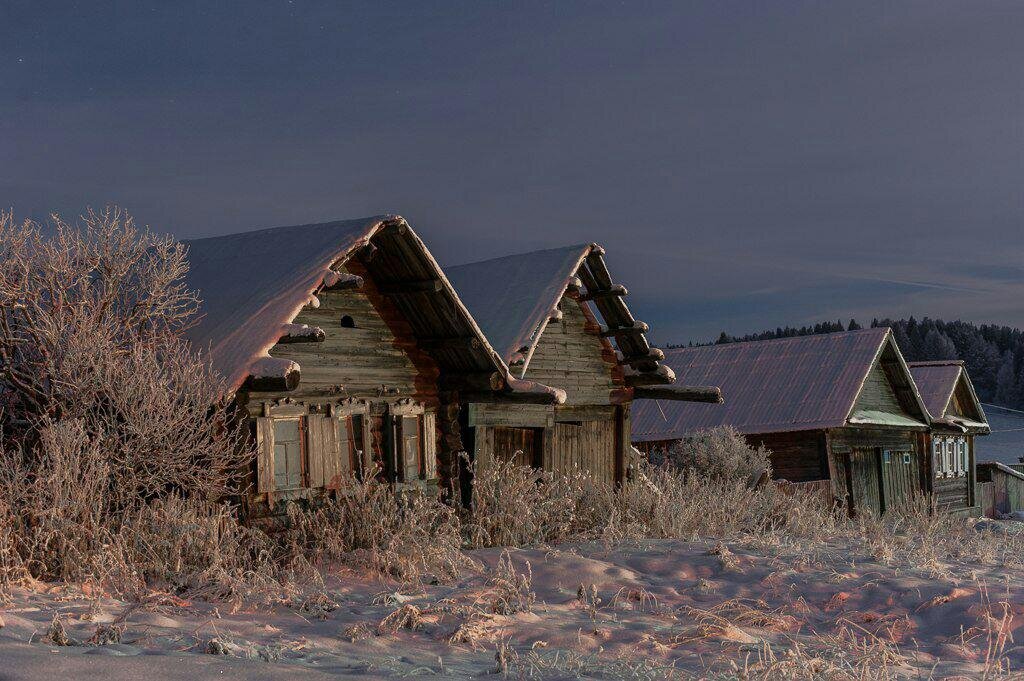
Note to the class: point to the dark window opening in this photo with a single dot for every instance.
(347, 322)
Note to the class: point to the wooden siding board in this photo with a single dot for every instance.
(878, 394)
(571, 355)
(381, 351)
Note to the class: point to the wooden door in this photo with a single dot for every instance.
(865, 488)
(567, 446)
(521, 446)
(900, 477)
(589, 446)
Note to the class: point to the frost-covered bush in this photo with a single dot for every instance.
(104, 408)
(719, 454)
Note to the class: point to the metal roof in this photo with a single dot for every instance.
(787, 384)
(936, 382)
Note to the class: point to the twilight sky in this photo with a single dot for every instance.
(745, 164)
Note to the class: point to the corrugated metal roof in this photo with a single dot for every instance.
(511, 297)
(936, 382)
(801, 383)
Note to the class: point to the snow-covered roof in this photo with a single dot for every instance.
(512, 297)
(253, 284)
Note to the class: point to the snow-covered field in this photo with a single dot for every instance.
(650, 609)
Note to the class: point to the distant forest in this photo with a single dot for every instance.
(993, 355)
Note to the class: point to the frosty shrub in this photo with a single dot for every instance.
(522, 506)
(103, 407)
(408, 536)
(717, 454)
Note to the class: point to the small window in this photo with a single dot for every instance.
(906, 457)
(289, 454)
(887, 456)
(347, 322)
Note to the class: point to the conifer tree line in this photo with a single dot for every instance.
(993, 355)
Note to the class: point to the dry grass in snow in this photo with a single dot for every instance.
(670, 577)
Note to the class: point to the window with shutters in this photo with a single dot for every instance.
(351, 443)
(412, 449)
(952, 456)
(289, 454)
(961, 457)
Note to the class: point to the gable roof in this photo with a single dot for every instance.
(786, 384)
(253, 284)
(514, 297)
(937, 381)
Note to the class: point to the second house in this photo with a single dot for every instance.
(556, 317)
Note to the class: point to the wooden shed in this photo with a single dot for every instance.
(557, 318)
(840, 407)
(957, 417)
(349, 351)
(1000, 488)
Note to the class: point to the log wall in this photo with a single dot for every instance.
(571, 355)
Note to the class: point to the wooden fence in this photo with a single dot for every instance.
(986, 492)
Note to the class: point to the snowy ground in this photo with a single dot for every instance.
(661, 608)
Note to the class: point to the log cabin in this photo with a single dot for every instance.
(557, 318)
(957, 417)
(841, 407)
(348, 351)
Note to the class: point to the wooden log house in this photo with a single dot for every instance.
(556, 317)
(348, 350)
(957, 417)
(840, 407)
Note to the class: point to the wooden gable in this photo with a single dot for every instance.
(962, 402)
(571, 354)
(368, 349)
(878, 394)
(888, 395)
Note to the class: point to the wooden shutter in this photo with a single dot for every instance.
(265, 455)
(430, 445)
(409, 447)
(324, 464)
(315, 449)
(343, 435)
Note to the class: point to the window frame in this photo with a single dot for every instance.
(359, 458)
(398, 411)
(282, 410)
(303, 442)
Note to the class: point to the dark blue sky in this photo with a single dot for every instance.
(745, 164)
